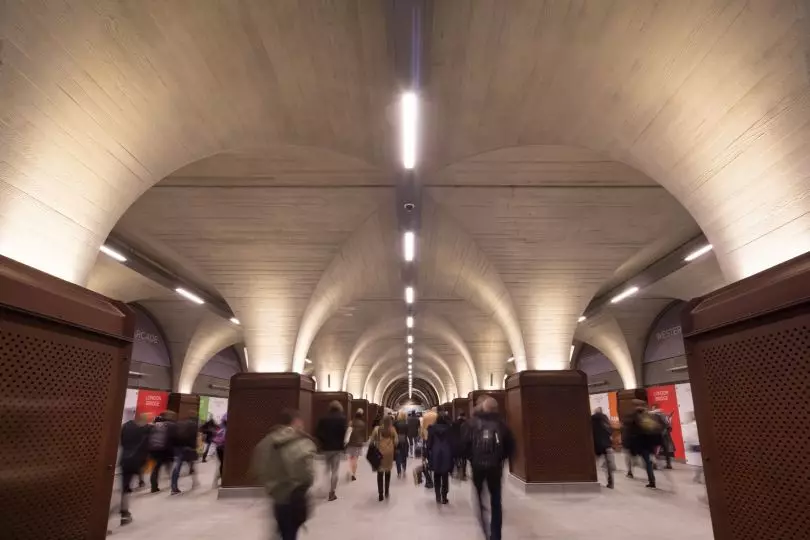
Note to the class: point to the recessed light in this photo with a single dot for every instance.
(409, 111)
(410, 339)
(409, 321)
(409, 245)
(582, 318)
(409, 295)
(234, 320)
(410, 351)
(307, 361)
(510, 359)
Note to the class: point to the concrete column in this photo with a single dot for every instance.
(549, 414)
(254, 408)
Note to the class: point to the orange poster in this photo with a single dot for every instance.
(614, 406)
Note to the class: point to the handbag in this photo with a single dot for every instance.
(374, 456)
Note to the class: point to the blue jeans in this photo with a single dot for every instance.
(179, 459)
(646, 455)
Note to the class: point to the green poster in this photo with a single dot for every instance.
(203, 415)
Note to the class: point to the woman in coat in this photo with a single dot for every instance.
(384, 438)
(356, 440)
(401, 427)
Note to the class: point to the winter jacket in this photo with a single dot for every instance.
(208, 430)
(600, 425)
(475, 425)
(358, 436)
(282, 462)
(386, 443)
(331, 432)
(401, 427)
(134, 447)
(440, 446)
(413, 426)
(459, 430)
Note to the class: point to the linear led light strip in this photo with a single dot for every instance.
(409, 245)
(409, 111)
(624, 294)
(189, 295)
(698, 253)
(110, 252)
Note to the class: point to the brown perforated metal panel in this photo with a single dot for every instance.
(185, 405)
(552, 425)
(754, 422)
(498, 395)
(254, 407)
(59, 389)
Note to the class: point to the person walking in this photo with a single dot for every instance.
(384, 438)
(185, 451)
(489, 443)
(161, 437)
(208, 429)
(331, 437)
(440, 455)
(134, 453)
(219, 443)
(602, 442)
(428, 419)
(645, 438)
(667, 448)
(458, 432)
(283, 464)
(403, 447)
(356, 440)
(413, 432)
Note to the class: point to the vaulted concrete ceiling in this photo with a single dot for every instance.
(566, 146)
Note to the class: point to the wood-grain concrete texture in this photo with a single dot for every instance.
(251, 147)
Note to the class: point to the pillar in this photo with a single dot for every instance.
(498, 395)
(254, 408)
(64, 363)
(625, 399)
(361, 404)
(184, 405)
(748, 352)
(549, 413)
(321, 401)
(461, 404)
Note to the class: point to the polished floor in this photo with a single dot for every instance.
(677, 512)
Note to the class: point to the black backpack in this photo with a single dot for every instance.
(487, 445)
(159, 437)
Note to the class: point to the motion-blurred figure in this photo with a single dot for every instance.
(413, 432)
(384, 437)
(134, 453)
(602, 443)
(208, 429)
(489, 443)
(219, 443)
(667, 448)
(185, 451)
(356, 439)
(459, 430)
(161, 437)
(428, 419)
(283, 463)
(440, 455)
(331, 436)
(403, 447)
(645, 438)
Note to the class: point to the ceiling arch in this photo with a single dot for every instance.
(423, 371)
(400, 386)
(398, 354)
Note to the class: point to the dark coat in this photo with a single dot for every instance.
(413, 426)
(134, 447)
(208, 429)
(331, 432)
(459, 429)
(600, 424)
(473, 427)
(440, 447)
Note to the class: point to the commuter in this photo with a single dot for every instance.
(440, 455)
(161, 437)
(401, 427)
(134, 453)
(384, 438)
(355, 440)
(667, 448)
(283, 463)
(185, 451)
(489, 443)
(413, 433)
(428, 419)
(331, 437)
(208, 429)
(459, 429)
(646, 437)
(219, 443)
(602, 442)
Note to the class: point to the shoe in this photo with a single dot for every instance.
(669, 467)
(155, 490)
(126, 519)
(630, 475)
(354, 478)
(176, 492)
(438, 500)
(651, 486)
(141, 485)
(399, 475)
(445, 501)
(203, 460)
(610, 485)
(332, 496)
(381, 498)
(387, 495)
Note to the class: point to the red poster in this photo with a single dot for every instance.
(151, 403)
(666, 399)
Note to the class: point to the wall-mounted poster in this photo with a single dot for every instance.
(151, 403)
(667, 400)
(217, 407)
(689, 430)
(130, 405)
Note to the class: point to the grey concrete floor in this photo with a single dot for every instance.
(676, 511)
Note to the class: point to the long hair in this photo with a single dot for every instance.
(386, 426)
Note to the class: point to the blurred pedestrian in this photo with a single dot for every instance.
(403, 448)
(459, 430)
(356, 440)
(185, 451)
(283, 463)
(413, 433)
(331, 437)
(440, 455)
(428, 419)
(208, 429)
(219, 443)
(602, 442)
(134, 454)
(384, 438)
(161, 438)
(667, 448)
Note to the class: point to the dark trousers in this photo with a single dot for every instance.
(646, 455)
(441, 483)
(461, 467)
(205, 452)
(383, 482)
(126, 489)
(402, 458)
(221, 458)
(492, 479)
(289, 518)
(161, 459)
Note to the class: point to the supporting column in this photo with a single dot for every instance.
(254, 408)
(461, 404)
(625, 400)
(321, 401)
(498, 395)
(361, 404)
(549, 414)
(184, 405)
(64, 363)
(748, 352)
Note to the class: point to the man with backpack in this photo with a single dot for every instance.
(440, 455)
(489, 443)
(647, 434)
(160, 445)
(185, 451)
(283, 463)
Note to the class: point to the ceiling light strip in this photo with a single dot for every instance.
(189, 295)
(624, 294)
(698, 253)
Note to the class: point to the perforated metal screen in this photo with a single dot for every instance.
(58, 389)
(753, 397)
